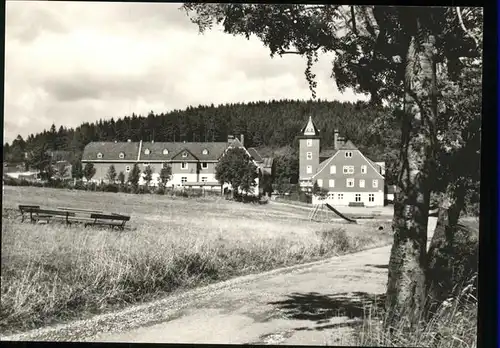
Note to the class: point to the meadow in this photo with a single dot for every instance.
(53, 273)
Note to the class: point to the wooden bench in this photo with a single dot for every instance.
(356, 204)
(111, 220)
(23, 208)
(78, 210)
(47, 214)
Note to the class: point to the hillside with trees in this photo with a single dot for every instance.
(269, 126)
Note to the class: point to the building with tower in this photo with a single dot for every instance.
(349, 177)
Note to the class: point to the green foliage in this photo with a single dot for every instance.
(39, 159)
(121, 178)
(111, 174)
(319, 191)
(165, 174)
(237, 169)
(60, 171)
(134, 175)
(77, 170)
(148, 175)
(286, 170)
(89, 171)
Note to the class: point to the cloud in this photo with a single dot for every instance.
(81, 61)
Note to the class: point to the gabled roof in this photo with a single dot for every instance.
(156, 150)
(348, 145)
(110, 151)
(254, 154)
(310, 128)
(185, 154)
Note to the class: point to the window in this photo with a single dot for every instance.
(340, 196)
(204, 165)
(361, 183)
(309, 155)
(184, 154)
(165, 151)
(309, 169)
(164, 165)
(350, 182)
(348, 154)
(203, 179)
(348, 169)
(320, 182)
(310, 130)
(363, 169)
(127, 169)
(99, 155)
(371, 197)
(375, 183)
(357, 197)
(122, 155)
(331, 195)
(205, 152)
(309, 142)
(184, 165)
(184, 179)
(333, 169)
(147, 152)
(331, 182)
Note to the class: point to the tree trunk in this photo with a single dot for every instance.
(439, 280)
(406, 281)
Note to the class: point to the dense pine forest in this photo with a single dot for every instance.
(270, 126)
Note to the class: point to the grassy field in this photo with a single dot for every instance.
(53, 273)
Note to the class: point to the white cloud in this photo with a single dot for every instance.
(78, 62)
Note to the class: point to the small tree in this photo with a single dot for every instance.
(319, 191)
(77, 170)
(134, 176)
(237, 169)
(111, 175)
(60, 170)
(89, 171)
(39, 159)
(165, 174)
(148, 175)
(121, 178)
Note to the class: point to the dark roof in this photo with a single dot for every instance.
(255, 155)
(111, 151)
(327, 153)
(214, 150)
(348, 145)
(310, 121)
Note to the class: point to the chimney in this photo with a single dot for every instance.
(129, 140)
(242, 137)
(230, 138)
(335, 139)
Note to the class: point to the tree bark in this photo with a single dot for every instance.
(406, 281)
(439, 280)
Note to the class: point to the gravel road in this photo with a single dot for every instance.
(312, 304)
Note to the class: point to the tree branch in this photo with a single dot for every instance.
(464, 28)
(353, 15)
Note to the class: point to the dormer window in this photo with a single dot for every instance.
(205, 152)
(122, 155)
(184, 154)
(99, 155)
(165, 151)
(147, 152)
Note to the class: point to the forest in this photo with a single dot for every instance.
(270, 126)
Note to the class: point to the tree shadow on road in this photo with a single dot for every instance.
(321, 308)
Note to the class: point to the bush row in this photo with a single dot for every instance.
(104, 187)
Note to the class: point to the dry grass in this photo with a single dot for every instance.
(453, 326)
(52, 273)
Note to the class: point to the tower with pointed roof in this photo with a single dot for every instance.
(309, 146)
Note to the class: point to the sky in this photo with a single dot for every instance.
(73, 62)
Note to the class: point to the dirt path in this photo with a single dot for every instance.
(313, 304)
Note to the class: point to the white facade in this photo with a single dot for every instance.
(370, 199)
